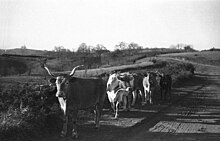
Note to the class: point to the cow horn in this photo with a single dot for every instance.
(157, 72)
(48, 71)
(74, 69)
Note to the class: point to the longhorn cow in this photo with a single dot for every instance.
(75, 94)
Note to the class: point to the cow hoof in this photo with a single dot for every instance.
(143, 103)
(63, 135)
(97, 126)
(75, 135)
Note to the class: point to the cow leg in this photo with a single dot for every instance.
(121, 98)
(129, 98)
(116, 111)
(74, 119)
(134, 95)
(145, 98)
(113, 106)
(97, 115)
(124, 99)
(165, 94)
(169, 92)
(161, 93)
(65, 124)
(150, 97)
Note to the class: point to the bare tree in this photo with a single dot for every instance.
(83, 48)
(121, 46)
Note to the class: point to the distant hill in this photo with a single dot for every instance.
(19, 51)
(30, 59)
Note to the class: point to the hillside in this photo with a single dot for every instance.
(19, 51)
(65, 61)
(203, 57)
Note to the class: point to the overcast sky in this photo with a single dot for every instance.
(43, 24)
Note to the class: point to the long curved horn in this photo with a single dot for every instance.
(74, 69)
(48, 71)
(160, 74)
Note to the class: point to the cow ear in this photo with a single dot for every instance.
(52, 80)
(119, 78)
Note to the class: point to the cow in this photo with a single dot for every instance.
(165, 85)
(76, 94)
(114, 83)
(118, 96)
(137, 88)
(149, 84)
(124, 80)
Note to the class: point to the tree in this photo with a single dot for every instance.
(23, 47)
(189, 48)
(133, 46)
(121, 46)
(83, 48)
(62, 52)
(99, 49)
(60, 49)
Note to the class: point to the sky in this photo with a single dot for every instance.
(44, 24)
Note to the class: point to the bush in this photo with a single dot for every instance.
(190, 67)
(26, 113)
(11, 66)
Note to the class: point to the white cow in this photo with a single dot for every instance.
(118, 90)
(149, 84)
(118, 96)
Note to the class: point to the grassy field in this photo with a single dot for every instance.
(204, 57)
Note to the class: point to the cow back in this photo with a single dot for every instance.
(84, 93)
(166, 81)
(137, 83)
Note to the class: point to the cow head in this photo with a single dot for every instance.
(61, 81)
(127, 77)
(151, 78)
(160, 74)
(119, 80)
(112, 82)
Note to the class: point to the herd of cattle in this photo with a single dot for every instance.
(123, 89)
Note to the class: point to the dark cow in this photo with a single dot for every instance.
(137, 88)
(165, 85)
(78, 93)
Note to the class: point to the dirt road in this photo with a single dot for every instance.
(196, 116)
(193, 114)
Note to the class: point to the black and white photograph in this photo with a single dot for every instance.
(109, 70)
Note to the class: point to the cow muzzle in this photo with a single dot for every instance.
(60, 94)
(108, 87)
